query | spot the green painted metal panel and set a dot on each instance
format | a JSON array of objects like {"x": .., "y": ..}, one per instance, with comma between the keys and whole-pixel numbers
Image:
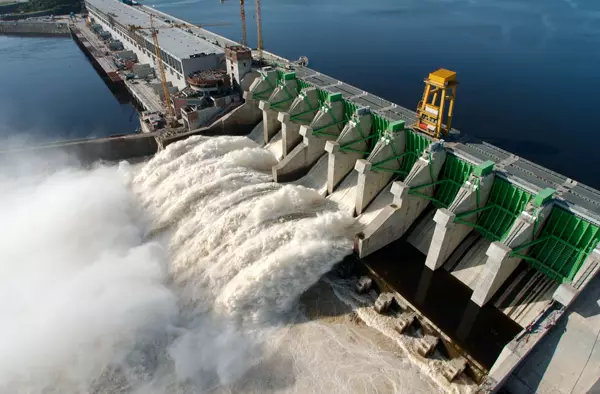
[
  {"x": 349, "y": 109},
  {"x": 543, "y": 196},
  {"x": 396, "y": 126},
  {"x": 323, "y": 95},
  {"x": 416, "y": 145},
  {"x": 279, "y": 74},
  {"x": 333, "y": 97},
  {"x": 379, "y": 124},
  {"x": 562, "y": 247},
  {"x": 265, "y": 93},
  {"x": 505, "y": 203},
  {"x": 484, "y": 168},
  {"x": 303, "y": 84},
  {"x": 288, "y": 76},
  {"x": 454, "y": 174}
]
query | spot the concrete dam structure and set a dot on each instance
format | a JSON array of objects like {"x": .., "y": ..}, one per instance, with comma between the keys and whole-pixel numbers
[
  {"x": 474, "y": 253},
  {"x": 522, "y": 238}
]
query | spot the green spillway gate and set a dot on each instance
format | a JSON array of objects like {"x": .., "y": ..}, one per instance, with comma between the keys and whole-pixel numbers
[
  {"x": 322, "y": 93},
  {"x": 495, "y": 219},
  {"x": 264, "y": 94},
  {"x": 455, "y": 173},
  {"x": 414, "y": 147},
  {"x": 378, "y": 126},
  {"x": 289, "y": 97},
  {"x": 562, "y": 246}
]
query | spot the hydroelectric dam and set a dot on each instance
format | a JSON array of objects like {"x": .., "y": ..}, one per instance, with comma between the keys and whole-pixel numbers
[{"x": 468, "y": 256}]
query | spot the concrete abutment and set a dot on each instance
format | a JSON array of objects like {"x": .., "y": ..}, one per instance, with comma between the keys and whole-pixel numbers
[
  {"x": 449, "y": 233},
  {"x": 301, "y": 112},
  {"x": 326, "y": 125},
  {"x": 395, "y": 219},
  {"x": 342, "y": 161},
  {"x": 372, "y": 180},
  {"x": 500, "y": 263}
]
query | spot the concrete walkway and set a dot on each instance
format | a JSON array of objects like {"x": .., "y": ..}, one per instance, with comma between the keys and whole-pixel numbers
[{"x": 568, "y": 359}]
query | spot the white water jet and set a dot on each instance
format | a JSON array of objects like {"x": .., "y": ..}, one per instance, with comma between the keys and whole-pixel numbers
[{"x": 181, "y": 276}]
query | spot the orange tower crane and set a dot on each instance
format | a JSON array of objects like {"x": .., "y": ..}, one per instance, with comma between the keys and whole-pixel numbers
[
  {"x": 243, "y": 19},
  {"x": 259, "y": 30}
]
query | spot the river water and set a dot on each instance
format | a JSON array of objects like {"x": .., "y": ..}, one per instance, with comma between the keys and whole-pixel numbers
[{"x": 50, "y": 91}]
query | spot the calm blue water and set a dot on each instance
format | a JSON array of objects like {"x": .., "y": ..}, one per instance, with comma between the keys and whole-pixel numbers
[
  {"x": 528, "y": 69},
  {"x": 50, "y": 91}
]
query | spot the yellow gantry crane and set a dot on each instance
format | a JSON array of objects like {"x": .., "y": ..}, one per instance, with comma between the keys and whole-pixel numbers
[
  {"x": 434, "y": 111},
  {"x": 159, "y": 61}
]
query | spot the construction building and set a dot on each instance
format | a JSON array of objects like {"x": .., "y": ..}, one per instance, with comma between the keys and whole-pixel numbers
[{"x": 182, "y": 52}]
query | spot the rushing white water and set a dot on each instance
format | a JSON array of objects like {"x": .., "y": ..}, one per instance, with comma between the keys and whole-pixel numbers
[{"x": 182, "y": 276}]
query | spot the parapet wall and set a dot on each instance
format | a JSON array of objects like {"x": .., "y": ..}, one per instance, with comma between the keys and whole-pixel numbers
[
  {"x": 87, "y": 151},
  {"x": 25, "y": 28}
]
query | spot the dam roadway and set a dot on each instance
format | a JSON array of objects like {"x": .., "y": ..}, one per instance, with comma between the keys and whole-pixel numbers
[{"x": 520, "y": 241}]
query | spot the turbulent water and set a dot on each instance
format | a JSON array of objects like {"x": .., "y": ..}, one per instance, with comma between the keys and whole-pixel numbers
[{"x": 180, "y": 275}]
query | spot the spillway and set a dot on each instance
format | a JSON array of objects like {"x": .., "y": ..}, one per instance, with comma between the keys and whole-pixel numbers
[{"x": 246, "y": 311}]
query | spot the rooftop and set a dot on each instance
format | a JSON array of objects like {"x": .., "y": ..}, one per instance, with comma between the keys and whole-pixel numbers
[{"x": 175, "y": 41}]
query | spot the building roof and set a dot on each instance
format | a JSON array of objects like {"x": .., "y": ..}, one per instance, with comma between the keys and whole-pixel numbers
[{"x": 175, "y": 41}]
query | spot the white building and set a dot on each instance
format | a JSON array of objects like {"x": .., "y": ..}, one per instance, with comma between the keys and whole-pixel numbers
[{"x": 182, "y": 53}]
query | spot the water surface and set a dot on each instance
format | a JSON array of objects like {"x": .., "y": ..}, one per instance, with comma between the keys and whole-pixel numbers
[{"x": 50, "y": 91}]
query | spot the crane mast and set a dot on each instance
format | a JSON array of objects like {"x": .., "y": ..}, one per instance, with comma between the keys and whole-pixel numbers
[
  {"x": 163, "y": 76},
  {"x": 243, "y": 18},
  {"x": 259, "y": 30}
]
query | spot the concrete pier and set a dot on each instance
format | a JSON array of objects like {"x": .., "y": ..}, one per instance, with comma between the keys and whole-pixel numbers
[
  {"x": 395, "y": 219},
  {"x": 353, "y": 139},
  {"x": 500, "y": 264},
  {"x": 370, "y": 180},
  {"x": 260, "y": 91},
  {"x": 448, "y": 234},
  {"x": 301, "y": 112},
  {"x": 326, "y": 126},
  {"x": 280, "y": 100},
  {"x": 271, "y": 124}
]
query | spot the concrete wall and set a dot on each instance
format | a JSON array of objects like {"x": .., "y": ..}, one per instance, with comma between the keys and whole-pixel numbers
[
  {"x": 26, "y": 15},
  {"x": 203, "y": 63},
  {"x": 240, "y": 121},
  {"x": 90, "y": 150},
  {"x": 35, "y": 28}
]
